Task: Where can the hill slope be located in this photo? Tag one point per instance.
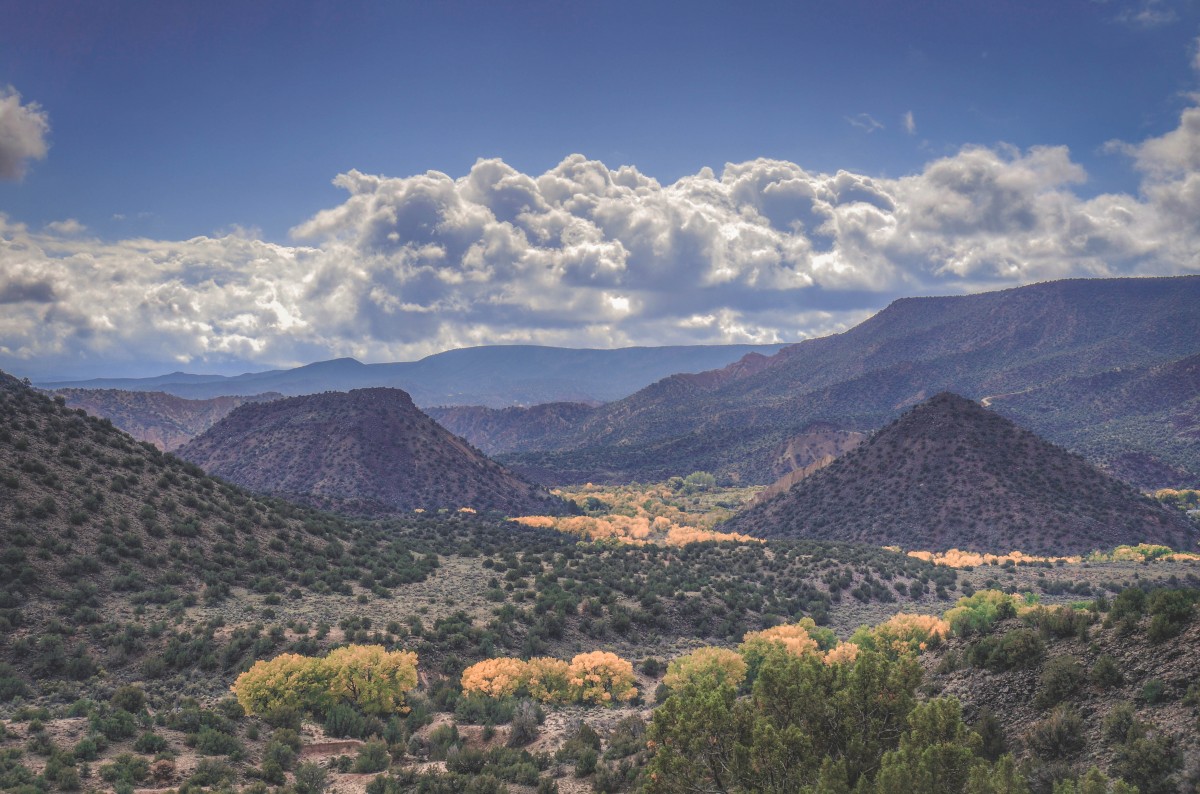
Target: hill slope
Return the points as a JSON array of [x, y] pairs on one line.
[[495, 375], [976, 345], [166, 421], [1140, 424], [367, 450], [950, 474]]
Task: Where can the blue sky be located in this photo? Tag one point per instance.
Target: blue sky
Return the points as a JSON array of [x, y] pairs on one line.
[[149, 124]]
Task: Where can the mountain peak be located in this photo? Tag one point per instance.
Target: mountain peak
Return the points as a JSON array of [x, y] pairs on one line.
[[951, 474]]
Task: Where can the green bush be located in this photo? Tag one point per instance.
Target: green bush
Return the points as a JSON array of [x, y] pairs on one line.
[[126, 768], [1058, 736], [1150, 763], [1105, 673], [150, 743], [372, 757], [1061, 678], [344, 721]]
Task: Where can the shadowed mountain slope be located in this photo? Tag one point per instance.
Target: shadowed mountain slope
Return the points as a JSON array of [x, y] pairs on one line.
[[166, 421], [369, 450], [1140, 424], [978, 345], [951, 474]]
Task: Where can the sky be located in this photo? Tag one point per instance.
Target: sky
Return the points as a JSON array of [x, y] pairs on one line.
[[235, 186]]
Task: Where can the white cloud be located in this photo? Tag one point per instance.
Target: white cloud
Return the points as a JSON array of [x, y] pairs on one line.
[[910, 123], [864, 122], [66, 227], [588, 255], [23, 131]]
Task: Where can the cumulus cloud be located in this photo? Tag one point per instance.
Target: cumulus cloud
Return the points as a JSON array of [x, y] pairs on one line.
[[23, 131], [590, 255]]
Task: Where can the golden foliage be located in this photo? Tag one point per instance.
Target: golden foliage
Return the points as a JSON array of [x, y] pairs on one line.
[[600, 677], [371, 677], [903, 633], [654, 513], [955, 558], [546, 678], [368, 675], [794, 637], [842, 653], [708, 667], [495, 678]]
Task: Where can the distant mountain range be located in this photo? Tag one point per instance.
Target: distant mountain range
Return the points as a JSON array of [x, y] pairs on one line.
[[496, 376], [367, 451], [951, 474], [1052, 337]]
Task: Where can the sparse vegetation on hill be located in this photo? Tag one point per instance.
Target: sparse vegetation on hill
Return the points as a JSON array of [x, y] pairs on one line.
[[166, 421], [365, 451], [950, 474]]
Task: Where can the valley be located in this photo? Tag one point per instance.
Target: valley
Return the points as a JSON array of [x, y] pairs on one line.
[[724, 555]]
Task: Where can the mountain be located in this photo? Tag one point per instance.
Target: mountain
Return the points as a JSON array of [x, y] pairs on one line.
[[368, 450], [952, 474], [494, 430], [980, 345], [1141, 424], [495, 376], [166, 421]]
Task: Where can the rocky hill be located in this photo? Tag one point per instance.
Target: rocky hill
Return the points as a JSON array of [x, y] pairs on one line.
[[951, 474], [977, 345], [166, 421], [365, 451]]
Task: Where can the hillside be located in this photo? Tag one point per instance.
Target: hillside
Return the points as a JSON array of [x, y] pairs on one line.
[[495, 375], [369, 450], [1140, 424], [950, 474], [494, 430], [976, 345], [166, 421]]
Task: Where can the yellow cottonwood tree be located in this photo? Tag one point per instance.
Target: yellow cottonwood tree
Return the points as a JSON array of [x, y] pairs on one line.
[[287, 681], [496, 678], [371, 677], [709, 667], [601, 677], [546, 678]]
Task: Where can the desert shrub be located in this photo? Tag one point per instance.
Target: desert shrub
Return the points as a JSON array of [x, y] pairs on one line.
[[994, 742], [345, 721], [1060, 735], [1153, 692], [1016, 649], [1170, 611], [11, 685], [114, 725], [1061, 678], [524, 724], [1121, 724], [627, 738], [441, 739], [372, 757], [310, 779], [1059, 622], [1105, 673], [1150, 763], [150, 743], [130, 698], [125, 768], [475, 709], [213, 742]]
